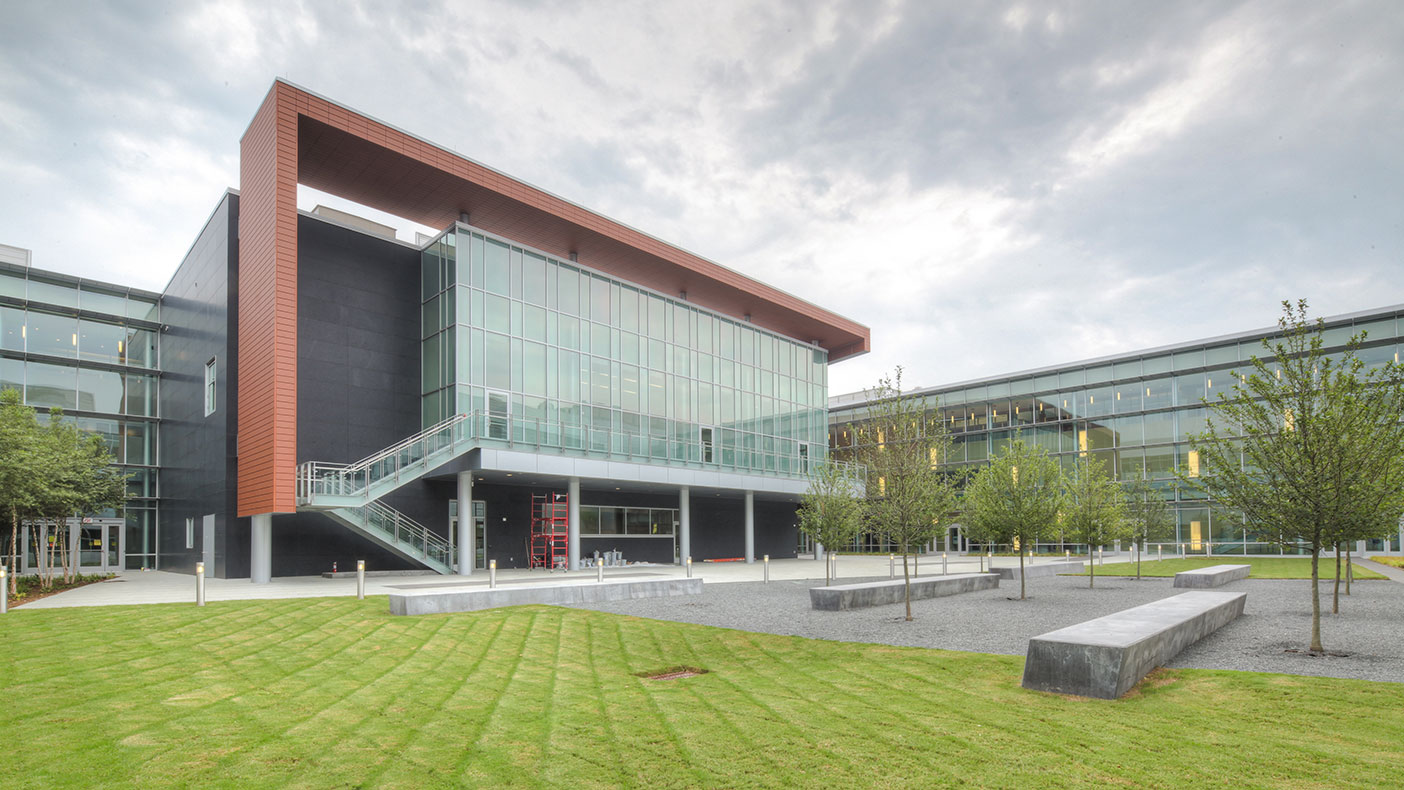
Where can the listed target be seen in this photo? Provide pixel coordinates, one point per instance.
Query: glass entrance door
(479, 531)
(99, 547)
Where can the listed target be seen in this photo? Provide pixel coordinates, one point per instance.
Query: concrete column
(750, 527)
(684, 525)
(573, 527)
(467, 536)
(261, 549)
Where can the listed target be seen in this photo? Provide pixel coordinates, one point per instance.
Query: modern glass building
(90, 349)
(1133, 411)
(332, 393)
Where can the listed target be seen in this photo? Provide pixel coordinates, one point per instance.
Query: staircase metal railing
(327, 485)
(399, 532)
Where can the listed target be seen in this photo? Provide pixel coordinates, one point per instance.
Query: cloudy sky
(989, 186)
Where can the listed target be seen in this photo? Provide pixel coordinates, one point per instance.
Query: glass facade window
(1136, 414)
(610, 367)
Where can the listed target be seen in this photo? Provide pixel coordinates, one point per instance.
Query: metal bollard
(492, 574)
(599, 572)
(1100, 560)
(688, 563)
(892, 566)
(199, 584)
(944, 566)
(1158, 547)
(360, 580)
(1067, 555)
(833, 563)
(765, 560)
(4, 589)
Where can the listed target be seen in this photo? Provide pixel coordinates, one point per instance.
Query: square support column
(750, 527)
(467, 535)
(573, 523)
(684, 524)
(261, 548)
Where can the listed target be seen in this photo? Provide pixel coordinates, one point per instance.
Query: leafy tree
(1015, 498)
(79, 480)
(830, 512)
(1321, 453)
(908, 499)
(1095, 509)
(19, 485)
(1147, 514)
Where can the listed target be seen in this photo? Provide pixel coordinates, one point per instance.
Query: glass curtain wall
(91, 350)
(560, 356)
(1135, 413)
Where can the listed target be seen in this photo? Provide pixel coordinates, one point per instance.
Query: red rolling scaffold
(550, 524)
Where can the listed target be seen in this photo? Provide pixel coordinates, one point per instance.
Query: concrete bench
(1105, 657)
(472, 599)
(1035, 571)
(1213, 576)
(841, 597)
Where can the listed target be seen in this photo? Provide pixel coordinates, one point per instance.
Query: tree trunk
(1091, 567)
(1316, 600)
(1350, 571)
(908, 583)
(1138, 561)
(14, 550)
(1021, 571)
(1336, 591)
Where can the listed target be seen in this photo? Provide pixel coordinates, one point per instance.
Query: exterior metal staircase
(399, 533)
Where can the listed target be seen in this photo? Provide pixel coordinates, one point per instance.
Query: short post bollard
(199, 584)
(688, 563)
(492, 574)
(4, 589)
(360, 580)
(833, 564)
(765, 561)
(1100, 559)
(1158, 547)
(892, 566)
(599, 572)
(944, 566)
(1067, 554)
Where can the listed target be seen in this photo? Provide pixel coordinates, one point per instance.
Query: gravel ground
(1276, 618)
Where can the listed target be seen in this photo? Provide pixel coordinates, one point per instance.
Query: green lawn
(1263, 567)
(337, 693)
(1393, 562)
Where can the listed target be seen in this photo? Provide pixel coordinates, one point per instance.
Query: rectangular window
(210, 387)
(190, 533)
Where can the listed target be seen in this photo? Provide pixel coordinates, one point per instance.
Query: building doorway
(94, 545)
(479, 532)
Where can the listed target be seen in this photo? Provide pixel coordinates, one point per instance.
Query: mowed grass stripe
(337, 693)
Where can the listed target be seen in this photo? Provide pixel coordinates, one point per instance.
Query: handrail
(415, 453)
(403, 443)
(402, 530)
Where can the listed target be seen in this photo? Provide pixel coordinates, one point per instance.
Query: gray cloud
(990, 187)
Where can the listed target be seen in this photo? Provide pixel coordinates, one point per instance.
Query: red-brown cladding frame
(298, 137)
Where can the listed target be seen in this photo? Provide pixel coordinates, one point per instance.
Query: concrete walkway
(1395, 574)
(146, 587)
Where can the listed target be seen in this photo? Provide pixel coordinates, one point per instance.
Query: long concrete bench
(471, 599)
(1105, 657)
(840, 597)
(1035, 571)
(1213, 576)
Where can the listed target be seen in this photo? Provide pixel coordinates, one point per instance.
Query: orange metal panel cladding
(267, 375)
(297, 137)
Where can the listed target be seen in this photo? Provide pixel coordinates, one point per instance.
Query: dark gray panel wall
(358, 307)
(197, 458)
(718, 525)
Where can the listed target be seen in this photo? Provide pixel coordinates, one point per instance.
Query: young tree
(1015, 498)
(909, 500)
(1147, 514)
(19, 484)
(79, 480)
(1095, 509)
(830, 512)
(1321, 453)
